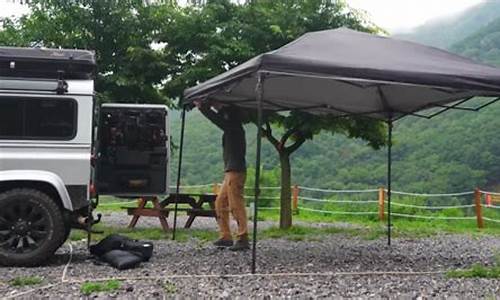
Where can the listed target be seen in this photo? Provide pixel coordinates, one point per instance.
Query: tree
(195, 43)
(297, 127)
(212, 38)
(121, 33)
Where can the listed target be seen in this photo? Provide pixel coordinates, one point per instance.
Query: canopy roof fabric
(344, 72)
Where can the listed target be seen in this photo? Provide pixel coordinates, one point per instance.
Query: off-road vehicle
(56, 145)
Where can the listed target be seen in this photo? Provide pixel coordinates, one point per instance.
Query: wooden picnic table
(161, 209)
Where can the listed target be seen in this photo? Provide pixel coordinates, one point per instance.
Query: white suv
(46, 141)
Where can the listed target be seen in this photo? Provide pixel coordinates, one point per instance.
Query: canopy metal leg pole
(259, 94)
(179, 168)
(389, 179)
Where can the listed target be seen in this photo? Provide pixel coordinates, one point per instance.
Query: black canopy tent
(348, 73)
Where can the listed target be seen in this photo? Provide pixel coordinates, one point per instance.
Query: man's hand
(216, 105)
(197, 103)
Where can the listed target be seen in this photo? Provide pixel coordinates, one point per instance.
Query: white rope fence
(491, 220)
(192, 186)
(340, 212)
(493, 206)
(432, 217)
(337, 191)
(430, 207)
(338, 201)
(395, 204)
(490, 193)
(430, 195)
(262, 197)
(330, 198)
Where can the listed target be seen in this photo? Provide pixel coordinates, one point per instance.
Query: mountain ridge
(445, 32)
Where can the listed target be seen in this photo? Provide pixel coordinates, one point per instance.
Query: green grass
(25, 281)
(401, 227)
(477, 271)
(296, 233)
(169, 287)
(182, 235)
(365, 227)
(361, 227)
(88, 288)
(115, 204)
(138, 233)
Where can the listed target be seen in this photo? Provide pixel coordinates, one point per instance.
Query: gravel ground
(335, 253)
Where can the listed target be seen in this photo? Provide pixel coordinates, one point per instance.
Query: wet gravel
(334, 253)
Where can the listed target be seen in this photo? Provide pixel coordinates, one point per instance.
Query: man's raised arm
(206, 109)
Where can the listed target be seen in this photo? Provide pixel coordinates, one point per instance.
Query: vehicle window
(11, 118)
(37, 118)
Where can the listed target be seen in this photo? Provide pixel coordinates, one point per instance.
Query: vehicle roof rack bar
(62, 85)
(38, 84)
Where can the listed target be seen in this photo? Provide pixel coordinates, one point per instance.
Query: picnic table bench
(161, 209)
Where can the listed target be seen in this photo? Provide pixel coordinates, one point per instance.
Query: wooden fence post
(381, 203)
(295, 199)
(479, 215)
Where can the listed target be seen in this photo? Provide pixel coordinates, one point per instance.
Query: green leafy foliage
(205, 40)
(209, 39)
(120, 32)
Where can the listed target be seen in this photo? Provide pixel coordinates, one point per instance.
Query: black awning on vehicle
(46, 63)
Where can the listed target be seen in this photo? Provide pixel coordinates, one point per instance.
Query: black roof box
(46, 63)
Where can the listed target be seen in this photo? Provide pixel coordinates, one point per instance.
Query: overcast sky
(392, 15)
(402, 15)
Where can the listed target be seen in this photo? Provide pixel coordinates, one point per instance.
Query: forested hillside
(453, 152)
(484, 45)
(445, 32)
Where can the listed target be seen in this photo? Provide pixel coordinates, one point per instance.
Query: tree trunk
(286, 195)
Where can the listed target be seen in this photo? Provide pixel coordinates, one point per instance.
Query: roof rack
(46, 63)
(58, 86)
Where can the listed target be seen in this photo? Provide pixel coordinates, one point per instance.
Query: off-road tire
(67, 232)
(46, 229)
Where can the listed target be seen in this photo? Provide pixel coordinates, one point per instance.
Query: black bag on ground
(122, 260)
(122, 252)
(111, 242)
(119, 242)
(143, 249)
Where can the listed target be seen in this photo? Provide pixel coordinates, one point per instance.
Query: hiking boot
(223, 243)
(240, 245)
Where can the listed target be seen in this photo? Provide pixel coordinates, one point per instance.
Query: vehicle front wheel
(31, 227)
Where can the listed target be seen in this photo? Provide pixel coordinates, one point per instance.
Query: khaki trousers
(231, 199)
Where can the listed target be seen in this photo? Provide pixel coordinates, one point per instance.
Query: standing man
(230, 198)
